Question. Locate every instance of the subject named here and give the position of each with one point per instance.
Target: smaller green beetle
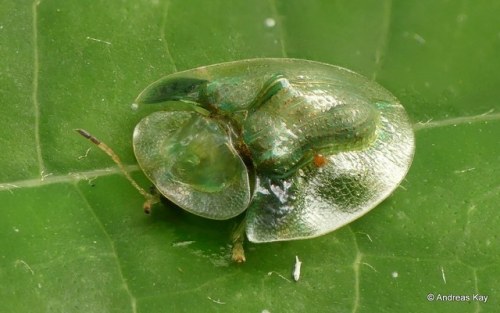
(303, 147)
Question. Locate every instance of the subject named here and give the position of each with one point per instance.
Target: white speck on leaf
(419, 38)
(370, 266)
(85, 155)
(98, 40)
(43, 175)
(270, 22)
(296, 269)
(25, 265)
(367, 236)
(215, 301)
(442, 274)
(464, 170)
(394, 274)
(270, 273)
(182, 243)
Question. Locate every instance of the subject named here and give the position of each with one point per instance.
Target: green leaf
(73, 235)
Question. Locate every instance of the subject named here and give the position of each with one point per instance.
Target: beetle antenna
(150, 198)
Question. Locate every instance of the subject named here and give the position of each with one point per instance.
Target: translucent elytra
(171, 148)
(247, 135)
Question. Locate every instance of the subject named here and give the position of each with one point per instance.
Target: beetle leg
(238, 237)
(151, 198)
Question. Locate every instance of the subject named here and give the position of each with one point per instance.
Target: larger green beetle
(304, 147)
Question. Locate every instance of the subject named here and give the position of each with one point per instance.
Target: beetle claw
(151, 199)
(238, 253)
(147, 208)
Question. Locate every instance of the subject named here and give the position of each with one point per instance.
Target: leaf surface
(73, 235)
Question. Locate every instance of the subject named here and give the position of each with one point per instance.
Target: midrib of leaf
(72, 177)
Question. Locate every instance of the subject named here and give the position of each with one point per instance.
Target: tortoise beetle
(303, 147)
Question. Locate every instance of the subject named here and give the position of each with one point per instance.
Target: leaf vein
(65, 178)
(163, 35)
(281, 31)
(382, 46)
(356, 268)
(476, 290)
(36, 104)
(487, 116)
(133, 300)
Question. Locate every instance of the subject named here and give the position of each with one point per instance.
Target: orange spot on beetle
(319, 160)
